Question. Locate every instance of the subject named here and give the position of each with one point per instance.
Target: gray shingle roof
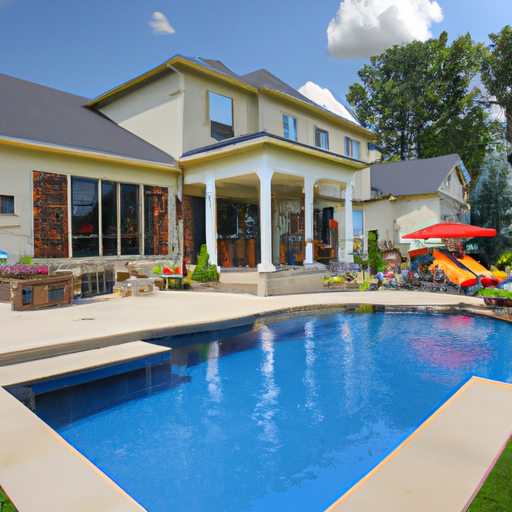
(40, 114)
(410, 177)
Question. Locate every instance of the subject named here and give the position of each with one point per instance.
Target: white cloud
(325, 99)
(364, 28)
(160, 24)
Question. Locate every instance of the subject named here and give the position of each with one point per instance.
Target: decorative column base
(266, 267)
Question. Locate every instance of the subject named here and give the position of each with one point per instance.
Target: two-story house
(185, 154)
(265, 170)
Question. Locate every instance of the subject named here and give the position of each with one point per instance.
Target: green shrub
(26, 260)
(495, 292)
(204, 272)
(505, 260)
(375, 260)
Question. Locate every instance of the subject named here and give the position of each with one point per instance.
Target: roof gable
(412, 177)
(261, 80)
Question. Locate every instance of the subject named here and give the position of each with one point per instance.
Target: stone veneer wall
(51, 231)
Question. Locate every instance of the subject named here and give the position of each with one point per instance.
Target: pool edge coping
(244, 320)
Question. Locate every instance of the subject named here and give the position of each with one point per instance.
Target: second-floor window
(321, 139)
(221, 116)
(352, 148)
(289, 127)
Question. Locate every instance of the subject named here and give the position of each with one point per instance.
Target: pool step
(40, 369)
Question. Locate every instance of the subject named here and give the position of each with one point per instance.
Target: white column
(309, 184)
(349, 225)
(265, 173)
(211, 219)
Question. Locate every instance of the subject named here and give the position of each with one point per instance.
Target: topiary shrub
(204, 272)
(375, 260)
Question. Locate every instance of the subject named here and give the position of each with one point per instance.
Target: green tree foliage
(419, 100)
(497, 76)
(491, 205)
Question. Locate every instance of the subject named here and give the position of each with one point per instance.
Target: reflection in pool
(285, 417)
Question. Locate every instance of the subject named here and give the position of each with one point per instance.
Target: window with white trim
(321, 138)
(221, 116)
(6, 205)
(352, 148)
(289, 127)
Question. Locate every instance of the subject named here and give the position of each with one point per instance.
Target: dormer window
(289, 127)
(221, 116)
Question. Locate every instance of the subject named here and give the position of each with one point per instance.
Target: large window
(321, 139)
(84, 217)
(352, 148)
(129, 219)
(289, 127)
(221, 116)
(6, 205)
(109, 217)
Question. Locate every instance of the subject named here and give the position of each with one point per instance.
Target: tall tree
(419, 100)
(497, 77)
(491, 205)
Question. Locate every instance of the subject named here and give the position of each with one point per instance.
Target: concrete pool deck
(102, 322)
(41, 472)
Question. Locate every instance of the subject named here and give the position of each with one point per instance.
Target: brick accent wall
(51, 231)
(156, 220)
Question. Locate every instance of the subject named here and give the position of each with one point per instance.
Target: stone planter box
(497, 302)
(35, 291)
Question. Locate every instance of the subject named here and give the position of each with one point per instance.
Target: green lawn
(5, 503)
(496, 493)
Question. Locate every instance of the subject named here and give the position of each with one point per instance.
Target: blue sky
(88, 47)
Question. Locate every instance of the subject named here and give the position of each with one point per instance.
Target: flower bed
(19, 271)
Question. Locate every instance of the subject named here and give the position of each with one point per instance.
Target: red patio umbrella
(451, 230)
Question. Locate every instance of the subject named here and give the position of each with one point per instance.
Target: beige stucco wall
(196, 128)
(281, 161)
(271, 121)
(381, 215)
(154, 112)
(362, 185)
(16, 166)
(452, 187)
(171, 112)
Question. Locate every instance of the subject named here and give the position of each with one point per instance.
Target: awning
(451, 230)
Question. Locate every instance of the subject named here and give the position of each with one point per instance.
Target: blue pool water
(286, 417)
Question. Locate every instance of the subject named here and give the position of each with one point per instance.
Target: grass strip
(495, 495)
(5, 503)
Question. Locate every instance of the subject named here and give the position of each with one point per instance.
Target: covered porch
(268, 202)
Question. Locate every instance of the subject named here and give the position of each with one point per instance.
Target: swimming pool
(287, 416)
